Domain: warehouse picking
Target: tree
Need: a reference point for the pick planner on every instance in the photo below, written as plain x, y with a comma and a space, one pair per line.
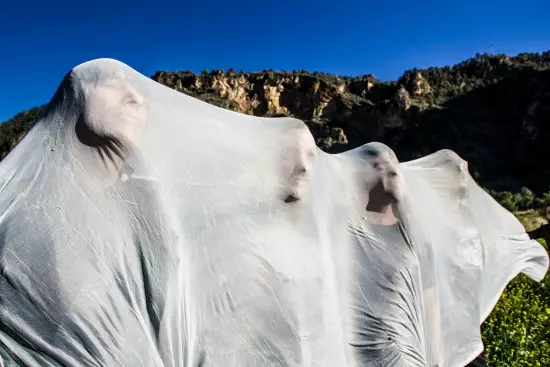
524, 199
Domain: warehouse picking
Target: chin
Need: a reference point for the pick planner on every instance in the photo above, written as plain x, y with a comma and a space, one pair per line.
296, 193
392, 197
291, 199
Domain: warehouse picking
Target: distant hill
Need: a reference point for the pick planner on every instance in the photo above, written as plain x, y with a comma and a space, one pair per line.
12, 130
493, 110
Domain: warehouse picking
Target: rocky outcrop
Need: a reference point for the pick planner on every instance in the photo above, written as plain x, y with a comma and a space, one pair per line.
403, 99
329, 105
419, 85
493, 110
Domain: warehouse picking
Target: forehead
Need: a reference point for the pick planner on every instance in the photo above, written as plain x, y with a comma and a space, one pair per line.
299, 139
113, 88
378, 152
116, 81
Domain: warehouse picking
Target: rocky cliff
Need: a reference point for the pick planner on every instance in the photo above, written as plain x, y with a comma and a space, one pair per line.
493, 110
341, 112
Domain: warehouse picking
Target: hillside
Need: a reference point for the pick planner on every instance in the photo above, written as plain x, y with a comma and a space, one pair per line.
12, 130
493, 110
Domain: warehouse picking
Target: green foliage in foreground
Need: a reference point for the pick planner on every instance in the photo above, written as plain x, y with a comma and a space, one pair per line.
517, 333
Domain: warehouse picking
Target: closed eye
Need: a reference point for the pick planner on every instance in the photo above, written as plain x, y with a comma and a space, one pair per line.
371, 153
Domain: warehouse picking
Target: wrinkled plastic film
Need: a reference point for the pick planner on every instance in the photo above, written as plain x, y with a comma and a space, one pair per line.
142, 227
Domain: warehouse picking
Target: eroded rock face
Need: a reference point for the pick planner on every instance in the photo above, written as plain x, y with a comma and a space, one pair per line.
234, 89
272, 94
330, 106
420, 86
402, 99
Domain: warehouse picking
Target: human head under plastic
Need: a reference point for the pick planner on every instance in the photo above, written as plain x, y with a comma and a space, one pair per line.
111, 121
113, 107
299, 152
385, 186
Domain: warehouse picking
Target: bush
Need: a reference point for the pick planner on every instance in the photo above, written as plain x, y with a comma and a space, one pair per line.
13, 130
524, 199
506, 199
542, 201
517, 333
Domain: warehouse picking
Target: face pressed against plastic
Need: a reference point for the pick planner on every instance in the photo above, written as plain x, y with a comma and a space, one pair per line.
384, 185
116, 108
390, 178
298, 158
112, 121
239, 277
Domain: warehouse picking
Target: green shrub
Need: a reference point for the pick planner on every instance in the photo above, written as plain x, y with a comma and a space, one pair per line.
524, 199
541, 202
506, 199
12, 130
517, 333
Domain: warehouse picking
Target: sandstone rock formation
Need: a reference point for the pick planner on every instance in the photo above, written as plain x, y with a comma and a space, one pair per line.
329, 105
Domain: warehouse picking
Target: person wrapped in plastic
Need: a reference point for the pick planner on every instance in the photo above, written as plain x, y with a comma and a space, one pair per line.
389, 272
425, 241
142, 227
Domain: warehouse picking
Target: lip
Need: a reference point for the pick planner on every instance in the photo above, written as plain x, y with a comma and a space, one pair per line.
300, 179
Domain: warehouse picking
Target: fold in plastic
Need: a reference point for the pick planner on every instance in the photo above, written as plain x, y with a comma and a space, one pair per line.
142, 227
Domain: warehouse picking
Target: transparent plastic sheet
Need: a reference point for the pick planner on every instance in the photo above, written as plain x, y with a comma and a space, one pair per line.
142, 227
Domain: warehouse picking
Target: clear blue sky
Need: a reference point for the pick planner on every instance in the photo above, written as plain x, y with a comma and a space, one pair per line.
40, 42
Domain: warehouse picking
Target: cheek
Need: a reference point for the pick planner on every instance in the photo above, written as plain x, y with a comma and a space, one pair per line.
390, 183
395, 186
299, 176
130, 121
286, 168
